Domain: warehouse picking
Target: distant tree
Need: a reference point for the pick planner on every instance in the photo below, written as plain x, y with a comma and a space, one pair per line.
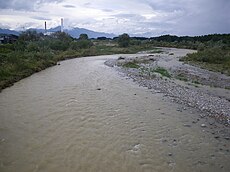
124, 40
135, 42
29, 35
140, 38
60, 41
62, 36
102, 38
32, 46
20, 45
83, 36
81, 44
115, 38
59, 45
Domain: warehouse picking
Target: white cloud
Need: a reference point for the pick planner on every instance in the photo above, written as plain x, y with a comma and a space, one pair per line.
153, 17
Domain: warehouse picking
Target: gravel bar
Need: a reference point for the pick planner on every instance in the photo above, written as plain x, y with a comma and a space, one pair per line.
212, 106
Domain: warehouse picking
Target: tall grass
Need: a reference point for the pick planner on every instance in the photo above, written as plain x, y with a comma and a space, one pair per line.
216, 59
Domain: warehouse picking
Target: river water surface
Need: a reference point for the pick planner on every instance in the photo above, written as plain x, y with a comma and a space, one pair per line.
82, 116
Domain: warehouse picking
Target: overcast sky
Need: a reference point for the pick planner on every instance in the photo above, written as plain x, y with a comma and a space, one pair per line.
143, 17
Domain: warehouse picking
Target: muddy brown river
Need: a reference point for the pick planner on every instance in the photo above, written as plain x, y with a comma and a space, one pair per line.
83, 116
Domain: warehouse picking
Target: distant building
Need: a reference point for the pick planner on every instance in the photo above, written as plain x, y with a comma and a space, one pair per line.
8, 39
48, 33
62, 25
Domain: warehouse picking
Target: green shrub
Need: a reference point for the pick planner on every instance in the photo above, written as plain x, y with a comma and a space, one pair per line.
6, 48
131, 65
124, 40
58, 45
83, 36
81, 44
211, 55
162, 71
32, 46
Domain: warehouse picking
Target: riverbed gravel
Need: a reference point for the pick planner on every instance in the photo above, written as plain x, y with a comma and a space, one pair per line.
212, 106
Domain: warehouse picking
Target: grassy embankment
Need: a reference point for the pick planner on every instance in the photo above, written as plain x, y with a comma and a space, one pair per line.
33, 53
213, 50
214, 59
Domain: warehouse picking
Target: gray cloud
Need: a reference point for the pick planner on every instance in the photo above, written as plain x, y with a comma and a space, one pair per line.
24, 4
165, 5
87, 4
40, 18
4, 26
69, 6
107, 10
205, 17
146, 17
136, 17
190, 17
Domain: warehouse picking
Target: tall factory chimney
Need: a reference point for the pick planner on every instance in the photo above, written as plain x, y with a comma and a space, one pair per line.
45, 27
62, 25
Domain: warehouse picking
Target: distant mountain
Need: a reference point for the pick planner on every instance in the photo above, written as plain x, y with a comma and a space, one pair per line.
56, 29
145, 34
7, 31
74, 32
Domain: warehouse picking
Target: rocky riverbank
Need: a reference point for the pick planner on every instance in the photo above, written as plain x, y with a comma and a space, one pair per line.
191, 86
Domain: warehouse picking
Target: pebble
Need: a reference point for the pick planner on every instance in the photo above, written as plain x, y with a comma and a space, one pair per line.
211, 123
179, 110
169, 154
164, 140
121, 58
203, 125
187, 125
174, 143
171, 163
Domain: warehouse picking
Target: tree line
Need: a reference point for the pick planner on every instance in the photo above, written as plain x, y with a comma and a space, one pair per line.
34, 51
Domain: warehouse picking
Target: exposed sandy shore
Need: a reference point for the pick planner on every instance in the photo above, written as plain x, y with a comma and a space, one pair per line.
188, 85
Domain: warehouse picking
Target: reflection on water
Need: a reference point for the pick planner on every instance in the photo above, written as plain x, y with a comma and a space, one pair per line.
83, 116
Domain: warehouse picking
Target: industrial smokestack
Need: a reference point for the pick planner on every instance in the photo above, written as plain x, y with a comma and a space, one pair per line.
45, 27
62, 25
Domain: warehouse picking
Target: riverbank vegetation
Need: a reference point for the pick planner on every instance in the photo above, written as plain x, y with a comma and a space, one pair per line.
213, 50
33, 51
215, 59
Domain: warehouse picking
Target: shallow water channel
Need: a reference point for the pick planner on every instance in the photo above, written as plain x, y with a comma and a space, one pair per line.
84, 116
